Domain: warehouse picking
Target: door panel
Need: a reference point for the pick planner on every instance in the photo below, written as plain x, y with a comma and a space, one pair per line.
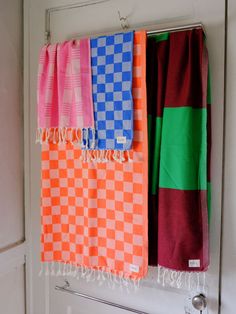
151, 300
229, 231
12, 298
11, 124
102, 18
12, 248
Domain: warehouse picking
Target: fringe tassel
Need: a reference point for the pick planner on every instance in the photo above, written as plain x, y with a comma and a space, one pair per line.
181, 280
190, 281
129, 158
84, 138
104, 156
103, 275
92, 145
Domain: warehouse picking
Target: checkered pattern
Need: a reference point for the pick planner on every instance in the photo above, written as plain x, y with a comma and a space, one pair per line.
95, 214
112, 58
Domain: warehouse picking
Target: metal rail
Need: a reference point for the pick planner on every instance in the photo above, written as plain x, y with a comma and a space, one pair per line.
66, 288
177, 28
49, 11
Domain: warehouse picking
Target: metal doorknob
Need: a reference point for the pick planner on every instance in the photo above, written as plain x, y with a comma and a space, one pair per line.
199, 302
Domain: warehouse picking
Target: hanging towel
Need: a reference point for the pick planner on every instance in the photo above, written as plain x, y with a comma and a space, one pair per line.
65, 107
94, 215
112, 64
179, 139
157, 62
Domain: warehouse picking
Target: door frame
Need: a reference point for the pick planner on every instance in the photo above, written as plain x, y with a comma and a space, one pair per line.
27, 162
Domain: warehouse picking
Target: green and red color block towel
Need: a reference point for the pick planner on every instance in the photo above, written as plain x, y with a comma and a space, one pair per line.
179, 150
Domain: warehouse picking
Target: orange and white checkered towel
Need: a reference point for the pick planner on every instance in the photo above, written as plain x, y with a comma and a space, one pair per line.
94, 215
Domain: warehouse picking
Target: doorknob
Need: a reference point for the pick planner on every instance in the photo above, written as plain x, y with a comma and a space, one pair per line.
199, 302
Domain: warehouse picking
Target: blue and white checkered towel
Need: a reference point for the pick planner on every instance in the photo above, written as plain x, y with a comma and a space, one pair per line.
112, 65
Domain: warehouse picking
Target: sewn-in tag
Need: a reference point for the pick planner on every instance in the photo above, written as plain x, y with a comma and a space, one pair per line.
194, 263
121, 139
134, 268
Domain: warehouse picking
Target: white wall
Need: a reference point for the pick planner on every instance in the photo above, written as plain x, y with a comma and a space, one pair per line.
11, 123
12, 283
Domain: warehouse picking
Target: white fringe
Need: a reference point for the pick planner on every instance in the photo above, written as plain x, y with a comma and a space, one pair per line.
84, 138
104, 156
102, 275
190, 281
181, 279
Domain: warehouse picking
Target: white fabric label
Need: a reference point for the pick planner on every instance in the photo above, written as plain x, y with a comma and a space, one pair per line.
134, 268
121, 139
194, 263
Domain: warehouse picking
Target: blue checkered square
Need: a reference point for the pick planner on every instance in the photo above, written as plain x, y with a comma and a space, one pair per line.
112, 63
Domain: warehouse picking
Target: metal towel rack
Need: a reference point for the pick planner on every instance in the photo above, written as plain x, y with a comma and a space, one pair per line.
66, 288
123, 19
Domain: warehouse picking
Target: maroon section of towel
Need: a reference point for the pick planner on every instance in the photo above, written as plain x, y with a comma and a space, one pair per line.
182, 229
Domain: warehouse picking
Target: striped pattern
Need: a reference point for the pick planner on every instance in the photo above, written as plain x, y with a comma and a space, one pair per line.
65, 87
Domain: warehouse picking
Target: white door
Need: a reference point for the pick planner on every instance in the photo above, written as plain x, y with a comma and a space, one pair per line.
229, 236
12, 246
101, 18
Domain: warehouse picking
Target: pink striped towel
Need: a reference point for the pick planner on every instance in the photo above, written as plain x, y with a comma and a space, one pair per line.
65, 106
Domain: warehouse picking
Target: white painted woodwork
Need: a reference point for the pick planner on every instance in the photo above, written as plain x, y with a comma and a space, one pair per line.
12, 294
12, 246
11, 123
229, 231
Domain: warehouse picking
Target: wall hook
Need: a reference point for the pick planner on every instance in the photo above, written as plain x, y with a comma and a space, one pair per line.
123, 21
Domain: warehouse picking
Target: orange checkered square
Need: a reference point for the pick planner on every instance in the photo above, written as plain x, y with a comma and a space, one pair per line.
95, 214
